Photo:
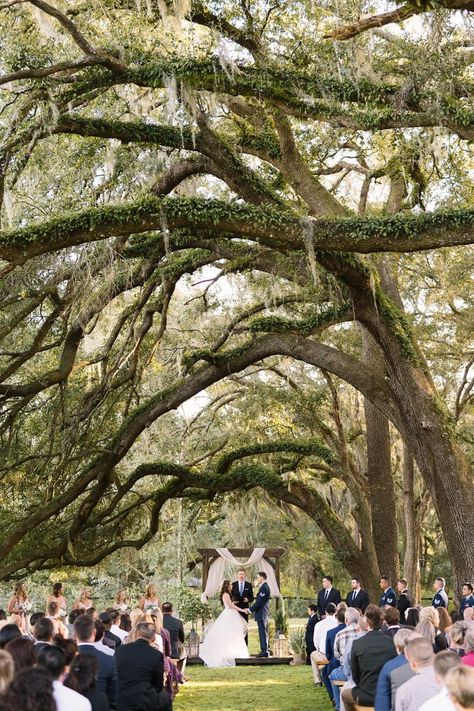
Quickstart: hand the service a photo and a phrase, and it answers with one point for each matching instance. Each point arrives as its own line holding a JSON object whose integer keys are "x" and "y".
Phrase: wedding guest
{"x": 440, "y": 598}
{"x": 58, "y": 596}
{"x": 35, "y": 617}
{"x": 383, "y": 693}
{"x": 343, "y": 639}
{"x": 405, "y": 600}
{"x": 115, "y": 629}
{"x": 7, "y": 670}
{"x": 422, "y": 686}
{"x": 326, "y": 595}
{"x": 319, "y": 639}
{"x": 176, "y": 631}
{"x": 443, "y": 663}
{"x": 334, "y": 662}
{"x": 43, "y": 632}
{"x": 460, "y": 684}
{"x": 456, "y": 637}
{"x": 82, "y": 678}
{"x": 468, "y": 658}
{"x": 30, "y": 690}
{"x": 84, "y": 601}
{"x": 389, "y": 596}
{"x": 3, "y": 619}
{"x": 445, "y": 620}
{"x": 412, "y": 617}
{"x": 84, "y": 631}
{"x": 140, "y": 669}
{"x": 73, "y": 615}
{"x": 149, "y": 601}
{"x": 22, "y": 652}
{"x": 309, "y": 631}
{"x": 19, "y": 604}
{"x": 106, "y": 620}
{"x": 99, "y": 642}
{"x": 391, "y": 618}
{"x": 121, "y": 601}
{"x": 357, "y": 597}
{"x": 53, "y": 661}
{"x": 53, "y": 614}
{"x": 428, "y": 627}
{"x": 68, "y": 648}
{"x": 7, "y": 633}
{"x": 125, "y": 622}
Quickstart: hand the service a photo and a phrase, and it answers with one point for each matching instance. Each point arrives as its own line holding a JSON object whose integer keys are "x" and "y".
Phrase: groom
{"x": 260, "y": 612}
{"x": 242, "y": 595}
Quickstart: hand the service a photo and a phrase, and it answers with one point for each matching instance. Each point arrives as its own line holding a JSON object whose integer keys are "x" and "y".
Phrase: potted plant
{"x": 298, "y": 645}
{"x": 281, "y": 622}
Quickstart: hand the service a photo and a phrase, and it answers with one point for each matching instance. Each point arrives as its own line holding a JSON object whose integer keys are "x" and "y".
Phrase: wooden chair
{"x": 338, "y": 682}
{"x": 363, "y": 708}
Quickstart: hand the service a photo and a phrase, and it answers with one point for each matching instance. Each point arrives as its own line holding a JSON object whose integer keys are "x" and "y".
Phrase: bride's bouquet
{"x": 25, "y": 606}
{"x": 62, "y": 612}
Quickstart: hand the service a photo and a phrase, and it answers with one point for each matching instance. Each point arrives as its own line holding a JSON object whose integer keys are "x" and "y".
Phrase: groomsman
{"x": 260, "y": 611}
{"x": 405, "y": 600}
{"x": 326, "y": 595}
{"x": 309, "y": 632}
{"x": 242, "y": 595}
{"x": 467, "y": 598}
{"x": 357, "y": 597}
{"x": 389, "y": 596}
{"x": 440, "y": 598}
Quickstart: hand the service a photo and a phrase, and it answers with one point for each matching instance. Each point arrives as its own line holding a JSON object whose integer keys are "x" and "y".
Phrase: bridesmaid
{"x": 84, "y": 602}
{"x": 149, "y": 601}
{"x": 121, "y": 601}
{"x": 58, "y": 597}
{"x": 19, "y": 604}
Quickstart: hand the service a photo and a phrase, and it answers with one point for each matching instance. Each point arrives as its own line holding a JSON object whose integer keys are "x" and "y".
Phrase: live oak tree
{"x": 143, "y": 142}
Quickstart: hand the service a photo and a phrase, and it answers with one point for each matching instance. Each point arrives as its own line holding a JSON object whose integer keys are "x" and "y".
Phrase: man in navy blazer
{"x": 260, "y": 612}
{"x": 330, "y": 641}
{"x": 84, "y": 632}
{"x": 326, "y": 595}
{"x": 357, "y": 597}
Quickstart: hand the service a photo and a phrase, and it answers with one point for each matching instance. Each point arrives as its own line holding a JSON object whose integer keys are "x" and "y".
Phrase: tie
{"x": 354, "y": 596}
{"x": 241, "y": 586}
{"x": 326, "y": 595}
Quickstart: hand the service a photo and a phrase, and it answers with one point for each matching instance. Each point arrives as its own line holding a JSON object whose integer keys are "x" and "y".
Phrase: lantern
{"x": 193, "y": 644}
{"x": 281, "y": 646}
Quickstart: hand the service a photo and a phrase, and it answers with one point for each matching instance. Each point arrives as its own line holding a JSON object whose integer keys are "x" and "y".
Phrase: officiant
{"x": 242, "y": 595}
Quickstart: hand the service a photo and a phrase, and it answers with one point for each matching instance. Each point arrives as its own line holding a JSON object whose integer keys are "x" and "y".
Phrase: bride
{"x": 225, "y": 641}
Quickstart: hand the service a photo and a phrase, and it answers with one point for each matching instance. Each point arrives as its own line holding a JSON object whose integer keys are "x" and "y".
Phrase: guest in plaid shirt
{"x": 349, "y": 633}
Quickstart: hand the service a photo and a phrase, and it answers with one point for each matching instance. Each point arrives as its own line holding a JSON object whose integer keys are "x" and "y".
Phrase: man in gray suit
{"x": 176, "y": 630}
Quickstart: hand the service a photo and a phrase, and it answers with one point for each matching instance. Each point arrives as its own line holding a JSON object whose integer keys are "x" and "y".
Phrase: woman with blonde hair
{"x": 149, "y": 602}
{"x": 121, "y": 601}
{"x": 19, "y": 605}
{"x": 84, "y": 601}
{"x": 460, "y": 684}
{"x": 428, "y": 627}
{"x": 7, "y": 670}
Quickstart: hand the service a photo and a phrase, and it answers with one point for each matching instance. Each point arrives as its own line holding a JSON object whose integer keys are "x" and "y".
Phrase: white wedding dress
{"x": 225, "y": 641}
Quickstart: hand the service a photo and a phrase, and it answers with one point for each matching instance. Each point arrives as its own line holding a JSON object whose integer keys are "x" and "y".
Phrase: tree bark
{"x": 411, "y": 563}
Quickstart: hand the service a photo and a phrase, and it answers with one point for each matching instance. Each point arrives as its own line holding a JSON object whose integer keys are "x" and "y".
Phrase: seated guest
{"x": 460, "y": 684}
{"x": 383, "y": 693}
{"x": 369, "y": 654}
{"x": 456, "y": 637}
{"x": 428, "y": 627}
{"x": 467, "y": 599}
{"x": 326, "y": 595}
{"x": 357, "y": 597}
{"x": 84, "y": 631}
{"x": 468, "y": 614}
{"x": 343, "y": 639}
{"x": 468, "y": 658}
{"x": 21, "y": 650}
{"x": 115, "y": 629}
{"x": 412, "y": 617}
{"x": 99, "y": 639}
{"x": 106, "y": 620}
{"x": 31, "y": 690}
{"x": 7, "y": 670}
{"x": 440, "y": 598}
{"x": 330, "y": 642}
{"x": 443, "y": 663}
{"x": 53, "y": 660}
{"x": 319, "y": 639}
{"x": 35, "y": 617}
{"x": 445, "y": 620}
{"x": 82, "y": 678}
{"x": 405, "y": 600}
{"x": 8, "y": 633}
{"x": 309, "y": 630}
{"x": 389, "y": 596}
{"x": 43, "y": 634}
{"x": 391, "y": 618}
{"x": 125, "y": 622}
{"x": 140, "y": 669}
{"x": 53, "y": 615}
{"x": 68, "y": 648}
{"x": 422, "y": 686}
{"x": 73, "y": 615}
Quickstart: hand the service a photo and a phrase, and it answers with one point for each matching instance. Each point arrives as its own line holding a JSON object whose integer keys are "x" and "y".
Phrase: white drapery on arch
{"x": 215, "y": 575}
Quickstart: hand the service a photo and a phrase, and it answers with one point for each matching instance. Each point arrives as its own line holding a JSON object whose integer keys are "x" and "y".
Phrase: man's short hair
{"x": 328, "y": 577}
{"x": 242, "y": 570}
{"x": 445, "y": 661}
{"x": 419, "y": 650}
{"x": 73, "y": 615}
{"x": 83, "y": 628}
{"x": 351, "y": 616}
{"x": 43, "y": 630}
{"x": 386, "y": 578}
{"x": 105, "y": 618}
{"x": 330, "y": 609}
{"x": 441, "y": 580}
{"x": 356, "y": 579}
{"x": 53, "y": 607}
{"x": 469, "y": 586}
{"x": 262, "y": 574}
{"x": 167, "y": 607}
{"x": 403, "y": 581}
{"x": 373, "y": 614}
{"x": 53, "y": 660}
{"x": 313, "y": 608}
{"x": 35, "y": 617}
{"x": 341, "y": 615}
{"x": 469, "y": 639}
{"x": 460, "y": 682}
{"x": 403, "y": 636}
{"x": 145, "y": 630}
{"x": 114, "y": 615}
{"x": 391, "y": 616}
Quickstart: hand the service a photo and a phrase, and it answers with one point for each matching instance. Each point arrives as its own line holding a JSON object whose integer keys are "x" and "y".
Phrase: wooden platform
{"x": 248, "y": 662}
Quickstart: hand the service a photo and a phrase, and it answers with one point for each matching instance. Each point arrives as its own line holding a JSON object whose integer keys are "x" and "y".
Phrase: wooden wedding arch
{"x": 209, "y": 555}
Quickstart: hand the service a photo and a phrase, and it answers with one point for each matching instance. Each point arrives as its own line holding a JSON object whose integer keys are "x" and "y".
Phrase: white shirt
{"x": 69, "y": 700}
{"x": 440, "y": 702}
{"x": 320, "y": 631}
{"x": 115, "y": 629}
{"x": 101, "y": 647}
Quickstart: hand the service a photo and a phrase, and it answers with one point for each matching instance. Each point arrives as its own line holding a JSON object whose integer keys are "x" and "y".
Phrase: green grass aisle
{"x": 282, "y": 688}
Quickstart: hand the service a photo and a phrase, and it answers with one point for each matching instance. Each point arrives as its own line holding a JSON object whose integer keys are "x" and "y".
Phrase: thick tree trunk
{"x": 411, "y": 563}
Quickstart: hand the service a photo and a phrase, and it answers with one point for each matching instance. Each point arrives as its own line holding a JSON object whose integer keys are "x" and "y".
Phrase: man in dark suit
{"x": 140, "y": 672}
{"x": 84, "y": 633}
{"x": 309, "y": 632}
{"x": 43, "y": 634}
{"x": 174, "y": 627}
{"x": 357, "y": 597}
{"x": 326, "y": 595}
{"x": 242, "y": 595}
{"x": 260, "y": 612}
{"x": 110, "y": 639}
{"x": 369, "y": 654}
{"x": 405, "y": 600}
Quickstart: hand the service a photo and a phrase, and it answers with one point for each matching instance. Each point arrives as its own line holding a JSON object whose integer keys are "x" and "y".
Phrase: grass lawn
{"x": 278, "y": 688}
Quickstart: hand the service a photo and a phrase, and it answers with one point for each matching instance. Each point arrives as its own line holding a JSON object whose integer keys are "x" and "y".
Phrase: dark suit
{"x": 309, "y": 636}
{"x": 111, "y": 637}
{"x": 38, "y": 648}
{"x": 98, "y": 700}
{"x": 260, "y": 609}
{"x": 324, "y": 600}
{"x": 107, "y": 679}
{"x": 369, "y": 654}
{"x": 243, "y": 601}
{"x": 140, "y": 670}
{"x": 404, "y": 602}
{"x": 333, "y": 662}
{"x": 360, "y": 601}
{"x": 176, "y": 630}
